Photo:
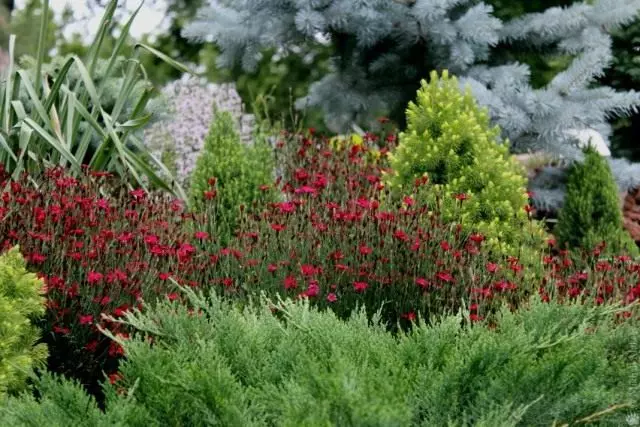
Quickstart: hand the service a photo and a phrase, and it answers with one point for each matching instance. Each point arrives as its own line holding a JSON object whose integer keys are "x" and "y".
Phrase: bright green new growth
{"x": 450, "y": 140}
{"x": 20, "y": 299}
{"x": 239, "y": 169}
{"x": 549, "y": 364}
{"x": 591, "y": 212}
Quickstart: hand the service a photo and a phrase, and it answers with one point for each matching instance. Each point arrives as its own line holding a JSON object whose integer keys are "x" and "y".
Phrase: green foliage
{"x": 591, "y": 212}
{"x": 449, "y": 140}
{"x": 49, "y": 116}
{"x": 238, "y": 169}
{"x": 20, "y": 299}
{"x": 624, "y": 74}
{"x": 287, "y": 364}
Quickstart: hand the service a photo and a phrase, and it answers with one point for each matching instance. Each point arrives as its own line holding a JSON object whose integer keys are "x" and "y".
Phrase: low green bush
{"x": 20, "y": 300}
{"x": 591, "y": 213}
{"x": 288, "y": 364}
{"x": 230, "y": 171}
{"x": 450, "y": 141}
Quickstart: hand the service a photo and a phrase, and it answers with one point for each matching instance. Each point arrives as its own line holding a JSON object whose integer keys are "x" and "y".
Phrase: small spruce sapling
{"x": 239, "y": 171}
{"x": 591, "y": 213}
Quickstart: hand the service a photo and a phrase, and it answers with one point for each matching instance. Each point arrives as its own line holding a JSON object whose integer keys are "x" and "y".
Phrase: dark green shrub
{"x": 449, "y": 139}
{"x": 239, "y": 171}
{"x": 291, "y": 365}
{"x": 591, "y": 213}
{"x": 20, "y": 299}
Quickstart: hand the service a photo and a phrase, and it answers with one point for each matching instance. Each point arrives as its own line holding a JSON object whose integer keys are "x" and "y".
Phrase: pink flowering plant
{"x": 334, "y": 239}
{"x": 98, "y": 255}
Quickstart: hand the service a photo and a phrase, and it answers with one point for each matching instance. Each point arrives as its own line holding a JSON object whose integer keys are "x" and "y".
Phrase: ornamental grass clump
{"x": 591, "y": 217}
{"x": 450, "y": 142}
{"x": 21, "y": 302}
{"x": 285, "y": 363}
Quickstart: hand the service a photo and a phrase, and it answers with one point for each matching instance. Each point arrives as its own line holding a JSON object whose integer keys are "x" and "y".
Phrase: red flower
{"x": 227, "y": 282}
{"x": 92, "y": 346}
{"x": 94, "y": 277}
{"x": 61, "y": 330}
{"x": 305, "y": 189}
{"x": 408, "y": 201}
{"x": 475, "y": 318}
{"x": 364, "y": 203}
{"x": 504, "y": 285}
{"x": 360, "y": 286}
{"x": 209, "y": 195}
{"x": 422, "y": 282}
{"x": 272, "y": 268}
{"x": 172, "y": 296}
{"x": 120, "y": 311}
{"x": 313, "y": 290}
{"x": 365, "y": 250}
{"x": 114, "y": 378}
{"x": 137, "y": 194}
{"x": 277, "y": 227}
{"x": 286, "y": 207}
{"x": 400, "y": 235}
{"x": 445, "y": 276}
{"x": 475, "y": 237}
{"x": 103, "y": 204}
{"x": 301, "y": 175}
{"x": 309, "y": 270}
{"x": 461, "y": 196}
{"x": 331, "y": 297}
{"x": 37, "y": 258}
{"x": 290, "y": 282}
{"x": 115, "y": 349}
{"x": 86, "y": 319}
{"x": 336, "y": 255}
{"x": 201, "y": 235}
{"x": 445, "y": 245}
{"x": 492, "y": 267}
{"x": 528, "y": 209}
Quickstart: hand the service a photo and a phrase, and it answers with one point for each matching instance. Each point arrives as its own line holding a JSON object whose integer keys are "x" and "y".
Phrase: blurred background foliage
{"x": 282, "y": 78}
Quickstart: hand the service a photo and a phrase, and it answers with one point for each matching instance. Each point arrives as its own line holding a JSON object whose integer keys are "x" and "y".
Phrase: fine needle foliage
{"x": 287, "y": 364}
{"x": 231, "y": 172}
{"x": 591, "y": 216}
{"x": 20, "y": 300}
{"x": 449, "y": 141}
{"x": 50, "y": 118}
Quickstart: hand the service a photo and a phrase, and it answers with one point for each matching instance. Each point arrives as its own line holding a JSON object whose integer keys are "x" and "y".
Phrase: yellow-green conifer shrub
{"x": 450, "y": 140}
{"x": 20, "y": 301}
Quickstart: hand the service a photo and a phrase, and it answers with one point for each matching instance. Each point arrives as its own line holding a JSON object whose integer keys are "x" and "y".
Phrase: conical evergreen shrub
{"x": 591, "y": 213}
{"x": 237, "y": 168}
{"x": 450, "y": 140}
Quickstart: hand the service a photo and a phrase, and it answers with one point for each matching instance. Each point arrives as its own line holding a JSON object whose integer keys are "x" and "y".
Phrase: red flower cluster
{"x": 336, "y": 238}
